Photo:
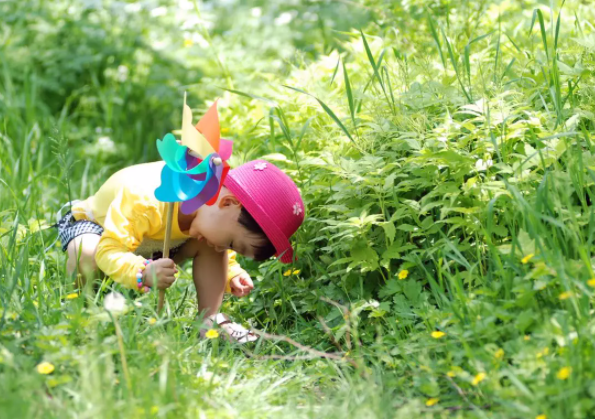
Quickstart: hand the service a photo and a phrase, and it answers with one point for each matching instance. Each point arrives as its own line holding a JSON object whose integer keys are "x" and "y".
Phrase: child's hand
{"x": 163, "y": 271}
{"x": 241, "y": 285}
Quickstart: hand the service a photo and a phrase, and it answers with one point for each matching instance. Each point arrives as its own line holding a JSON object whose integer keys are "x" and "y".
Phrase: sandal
{"x": 234, "y": 332}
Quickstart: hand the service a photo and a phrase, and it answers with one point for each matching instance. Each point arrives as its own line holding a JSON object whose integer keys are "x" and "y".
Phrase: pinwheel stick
{"x": 166, "y": 241}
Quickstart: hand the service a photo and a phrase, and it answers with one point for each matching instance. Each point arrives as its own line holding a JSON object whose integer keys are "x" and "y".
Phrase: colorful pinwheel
{"x": 194, "y": 171}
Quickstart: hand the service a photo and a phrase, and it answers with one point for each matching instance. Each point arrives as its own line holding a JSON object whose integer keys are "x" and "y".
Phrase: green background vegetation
{"x": 450, "y": 139}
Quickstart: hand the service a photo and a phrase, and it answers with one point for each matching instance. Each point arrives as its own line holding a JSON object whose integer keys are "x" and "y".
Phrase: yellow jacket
{"x": 133, "y": 221}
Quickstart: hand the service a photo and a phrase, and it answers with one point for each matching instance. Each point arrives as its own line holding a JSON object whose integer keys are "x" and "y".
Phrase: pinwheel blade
{"x": 209, "y": 127}
{"x": 191, "y": 137}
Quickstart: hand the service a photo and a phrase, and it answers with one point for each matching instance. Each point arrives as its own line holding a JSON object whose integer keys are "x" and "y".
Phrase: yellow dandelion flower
{"x": 438, "y": 334}
{"x": 426, "y": 368}
{"x": 527, "y": 258}
{"x": 403, "y": 274}
{"x": 591, "y": 282}
{"x": 527, "y": 338}
{"x": 152, "y": 321}
{"x": 564, "y": 373}
{"x": 541, "y": 417}
{"x": 72, "y": 296}
{"x": 45, "y": 368}
{"x": 499, "y": 354}
{"x": 188, "y": 43}
{"x": 296, "y": 272}
{"x": 565, "y": 295}
{"x": 154, "y": 410}
{"x": 543, "y": 352}
{"x": 478, "y": 378}
{"x": 212, "y": 334}
{"x": 287, "y": 273}
{"x": 432, "y": 401}
{"x": 451, "y": 374}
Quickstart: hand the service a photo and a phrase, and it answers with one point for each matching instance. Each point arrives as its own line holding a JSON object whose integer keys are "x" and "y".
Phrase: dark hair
{"x": 265, "y": 250}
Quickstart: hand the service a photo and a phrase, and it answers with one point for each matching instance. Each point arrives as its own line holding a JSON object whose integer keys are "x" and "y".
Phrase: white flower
{"x": 482, "y": 165}
{"x": 199, "y": 39}
{"x": 186, "y": 5}
{"x": 284, "y": 18}
{"x": 122, "y": 74}
{"x": 260, "y": 166}
{"x": 115, "y": 303}
{"x": 106, "y": 145}
{"x": 132, "y": 7}
{"x": 297, "y": 209}
{"x": 205, "y": 374}
{"x": 158, "y": 11}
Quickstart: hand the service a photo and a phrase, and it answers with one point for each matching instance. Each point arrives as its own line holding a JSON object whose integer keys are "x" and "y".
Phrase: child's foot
{"x": 233, "y": 331}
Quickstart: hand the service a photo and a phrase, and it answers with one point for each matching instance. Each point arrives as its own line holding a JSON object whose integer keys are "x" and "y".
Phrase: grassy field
{"x": 445, "y": 153}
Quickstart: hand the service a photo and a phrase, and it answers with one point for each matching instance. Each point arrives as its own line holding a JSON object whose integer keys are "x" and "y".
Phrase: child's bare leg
{"x": 81, "y": 257}
{"x": 209, "y": 271}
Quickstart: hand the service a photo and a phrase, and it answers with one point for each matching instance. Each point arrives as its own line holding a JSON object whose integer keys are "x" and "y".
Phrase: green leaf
{"x": 407, "y": 227}
{"x": 391, "y": 287}
{"x": 389, "y": 231}
{"x": 412, "y": 290}
{"x": 364, "y": 254}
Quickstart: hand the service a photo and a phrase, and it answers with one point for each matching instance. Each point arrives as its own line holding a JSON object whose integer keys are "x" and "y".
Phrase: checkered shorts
{"x": 69, "y": 228}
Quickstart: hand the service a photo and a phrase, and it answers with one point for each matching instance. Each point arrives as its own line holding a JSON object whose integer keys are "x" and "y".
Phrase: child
{"x": 123, "y": 224}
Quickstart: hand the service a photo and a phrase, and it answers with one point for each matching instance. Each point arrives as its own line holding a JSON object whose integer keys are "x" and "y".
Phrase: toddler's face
{"x": 218, "y": 225}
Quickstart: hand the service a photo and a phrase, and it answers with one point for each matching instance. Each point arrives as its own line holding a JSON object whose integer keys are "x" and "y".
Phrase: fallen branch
{"x": 313, "y": 352}
{"x": 462, "y": 393}
{"x": 330, "y": 333}
{"x": 346, "y": 316}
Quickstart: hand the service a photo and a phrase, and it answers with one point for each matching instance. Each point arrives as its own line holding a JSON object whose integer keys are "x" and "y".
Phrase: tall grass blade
{"x": 335, "y": 71}
{"x": 375, "y": 67}
{"x": 328, "y": 111}
{"x": 456, "y": 67}
{"x": 371, "y": 60}
{"x": 249, "y": 95}
{"x": 390, "y": 87}
{"x": 543, "y": 34}
{"x": 349, "y": 93}
{"x": 436, "y": 39}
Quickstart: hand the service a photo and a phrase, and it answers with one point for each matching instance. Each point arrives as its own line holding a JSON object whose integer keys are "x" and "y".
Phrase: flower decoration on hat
{"x": 195, "y": 170}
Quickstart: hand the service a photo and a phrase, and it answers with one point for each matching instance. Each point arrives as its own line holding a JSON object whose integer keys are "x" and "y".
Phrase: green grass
{"x": 445, "y": 154}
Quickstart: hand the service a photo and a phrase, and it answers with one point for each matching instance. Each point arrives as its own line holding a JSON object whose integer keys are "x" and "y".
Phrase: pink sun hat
{"x": 272, "y": 199}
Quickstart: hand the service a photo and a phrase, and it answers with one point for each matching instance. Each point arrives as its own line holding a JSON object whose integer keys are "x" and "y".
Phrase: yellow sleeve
{"x": 129, "y": 218}
{"x": 234, "y": 269}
